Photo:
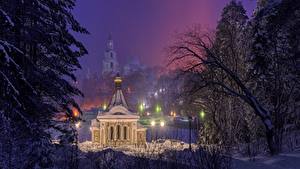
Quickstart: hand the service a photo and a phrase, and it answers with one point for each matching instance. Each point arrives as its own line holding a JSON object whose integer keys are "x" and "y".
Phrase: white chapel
{"x": 117, "y": 125}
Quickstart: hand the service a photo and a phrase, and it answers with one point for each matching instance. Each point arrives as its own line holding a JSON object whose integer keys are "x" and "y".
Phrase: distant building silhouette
{"x": 110, "y": 63}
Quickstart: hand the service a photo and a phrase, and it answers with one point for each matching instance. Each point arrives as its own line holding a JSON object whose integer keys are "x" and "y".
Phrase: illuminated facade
{"x": 118, "y": 125}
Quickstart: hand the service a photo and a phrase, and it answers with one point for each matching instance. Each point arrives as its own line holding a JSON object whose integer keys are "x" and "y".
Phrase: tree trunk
{"x": 270, "y": 141}
{"x": 267, "y": 121}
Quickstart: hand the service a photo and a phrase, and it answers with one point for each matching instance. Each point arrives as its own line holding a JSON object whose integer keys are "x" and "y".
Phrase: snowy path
{"x": 281, "y": 161}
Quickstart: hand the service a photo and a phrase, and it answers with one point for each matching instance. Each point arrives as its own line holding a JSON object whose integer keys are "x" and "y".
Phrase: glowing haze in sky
{"x": 142, "y": 28}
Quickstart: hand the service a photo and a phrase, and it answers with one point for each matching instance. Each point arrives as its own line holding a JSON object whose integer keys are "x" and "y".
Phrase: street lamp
{"x": 152, "y": 123}
{"x": 104, "y": 106}
{"x": 157, "y": 109}
{"x": 173, "y": 114}
{"x": 141, "y": 107}
{"x": 75, "y": 112}
{"x": 77, "y": 125}
{"x": 202, "y": 114}
{"x": 162, "y": 124}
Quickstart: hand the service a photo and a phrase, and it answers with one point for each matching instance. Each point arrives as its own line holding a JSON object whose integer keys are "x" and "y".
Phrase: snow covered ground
{"x": 154, "y": 147}
{"x": 281, "y": 161}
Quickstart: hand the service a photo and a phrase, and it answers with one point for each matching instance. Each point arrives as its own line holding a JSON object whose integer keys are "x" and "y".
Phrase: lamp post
{"x": 158, "y": 110}
{"x": 200, "y": 122}
{"x": 190, "y": 132}
{"x": 162, "y": 124}
{"x": 77, "y": 126}
{"x": 152, "y": 126}
{"x": 142, "y": 107}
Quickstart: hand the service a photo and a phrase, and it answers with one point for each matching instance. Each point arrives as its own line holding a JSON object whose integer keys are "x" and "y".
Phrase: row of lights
{"x": 160, "y": 91}
{"x": 201, "y": 114}
{"x": 172, "y": 113}
{"x": 78, "y": 125}
{"x": 162, "y": 123}
{"x": 143, "y": 106}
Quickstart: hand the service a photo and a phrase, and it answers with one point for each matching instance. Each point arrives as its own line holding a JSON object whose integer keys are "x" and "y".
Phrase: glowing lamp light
{"x": 64, "y": 118}
{"x": 75, "y": 112}
{"x": 91, "y": 129}
{"x": 162, "y": 123}
{"x": 77, "y": 125}
{"x": 104, "y": 106}
{"x": 141, "y": 107}
{"x": 158, "y": 108}
{"x": 152, "y": 123}
{"x": 202, "y": 114}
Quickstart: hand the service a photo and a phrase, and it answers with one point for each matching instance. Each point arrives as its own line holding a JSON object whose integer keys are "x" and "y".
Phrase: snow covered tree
{"x": 221, "y": 69}
{"x": 274, "y": 62}
{"x": 225, "y": 111}
{"x": 38, "y": 56}
{"x": 228, "y": 45}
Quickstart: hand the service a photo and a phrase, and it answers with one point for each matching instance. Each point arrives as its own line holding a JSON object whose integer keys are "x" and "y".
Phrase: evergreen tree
{"x": 221, "y": 69}
{"x": 228, "y": 45}
{"x": 38, "y": 57}
{"x": 274, "y": 62}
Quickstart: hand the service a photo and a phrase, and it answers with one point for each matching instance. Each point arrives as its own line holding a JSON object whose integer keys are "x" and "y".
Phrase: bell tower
{"x": 110, "y": 64}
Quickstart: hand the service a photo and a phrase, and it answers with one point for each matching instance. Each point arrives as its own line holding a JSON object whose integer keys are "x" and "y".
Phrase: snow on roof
{"x": 118, "y": 108}
{"x": 118, "y": 97}
{"x": 118, "y": 112}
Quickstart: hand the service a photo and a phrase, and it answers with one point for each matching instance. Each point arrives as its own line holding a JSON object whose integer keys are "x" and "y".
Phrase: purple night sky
{"x": 141, "y": 28}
